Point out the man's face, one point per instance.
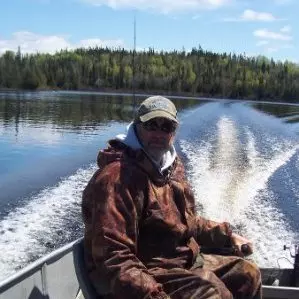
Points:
(156, 136)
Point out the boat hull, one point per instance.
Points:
(62, 275)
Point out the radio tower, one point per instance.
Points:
(134, 67)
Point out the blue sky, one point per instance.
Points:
(253, 27)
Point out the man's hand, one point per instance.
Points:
(238, 241)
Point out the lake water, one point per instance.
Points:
(242, 160)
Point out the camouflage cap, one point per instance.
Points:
(156, 106)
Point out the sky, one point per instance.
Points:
(251, 27)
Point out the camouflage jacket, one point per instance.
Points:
(137, 219)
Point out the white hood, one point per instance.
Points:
(130, 139)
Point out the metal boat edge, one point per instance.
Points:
(62, 275)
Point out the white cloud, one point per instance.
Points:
(277, 47)
(31, 43)
(272, 42)
(93, 42)
(286, 29)
(252, 16)
(163, 6)
(271, 50)
(271, 35)
(262, 43)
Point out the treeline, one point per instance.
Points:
(198, 72)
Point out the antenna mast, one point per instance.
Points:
(134, 68)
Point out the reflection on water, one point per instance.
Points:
(71, 109)
(75, 111)
(289, 113)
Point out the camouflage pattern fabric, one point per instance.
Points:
(143, 237)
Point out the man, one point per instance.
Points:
(142, 235)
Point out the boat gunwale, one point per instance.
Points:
(37, 265)
(60, 252)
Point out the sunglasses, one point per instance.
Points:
(166, 127)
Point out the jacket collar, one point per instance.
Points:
(131, 140)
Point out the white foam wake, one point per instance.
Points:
(230, 181)
(23, 229)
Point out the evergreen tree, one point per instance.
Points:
(197, 72)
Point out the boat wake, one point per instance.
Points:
(49, 220)
(231, 170)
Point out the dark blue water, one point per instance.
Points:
(242, 160)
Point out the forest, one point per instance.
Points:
(197, 72)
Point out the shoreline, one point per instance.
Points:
(142, 93)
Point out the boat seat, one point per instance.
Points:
(87, 289)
